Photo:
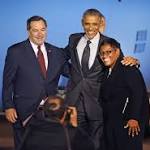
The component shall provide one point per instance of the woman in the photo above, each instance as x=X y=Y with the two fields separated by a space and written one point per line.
x=124 y=100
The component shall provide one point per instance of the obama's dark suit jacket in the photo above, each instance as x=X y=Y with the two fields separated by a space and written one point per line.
x=85 y=87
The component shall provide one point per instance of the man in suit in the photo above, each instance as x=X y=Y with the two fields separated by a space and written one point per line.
x=31 y=73
x=86 y=74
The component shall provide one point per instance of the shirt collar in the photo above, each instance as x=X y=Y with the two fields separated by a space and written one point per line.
x=95 y=39
x=35 y=45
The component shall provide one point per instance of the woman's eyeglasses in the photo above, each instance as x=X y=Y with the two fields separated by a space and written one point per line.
x=106 y=53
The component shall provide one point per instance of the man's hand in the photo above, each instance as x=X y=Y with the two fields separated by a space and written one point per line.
x=11 y=115
x=130 y=61
x=134 y=127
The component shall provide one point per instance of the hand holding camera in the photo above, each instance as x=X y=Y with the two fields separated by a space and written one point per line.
x=72 y=116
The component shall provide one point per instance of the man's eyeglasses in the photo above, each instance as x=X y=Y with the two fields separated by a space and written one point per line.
x=106 y=53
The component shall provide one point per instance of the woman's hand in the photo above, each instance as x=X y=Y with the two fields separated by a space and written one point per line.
x=133 y=126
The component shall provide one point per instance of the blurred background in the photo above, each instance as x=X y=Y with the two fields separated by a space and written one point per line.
x=127 y=21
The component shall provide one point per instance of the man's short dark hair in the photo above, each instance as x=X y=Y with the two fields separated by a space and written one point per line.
x=92 y=12
x=35 y=18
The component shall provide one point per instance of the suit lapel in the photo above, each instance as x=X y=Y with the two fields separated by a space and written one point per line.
x=50 y=61
x=77 y=62
x=97 y=60
x=31 y=57
x=75 y=57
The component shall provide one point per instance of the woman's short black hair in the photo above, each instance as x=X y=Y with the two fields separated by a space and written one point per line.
x=112 y=42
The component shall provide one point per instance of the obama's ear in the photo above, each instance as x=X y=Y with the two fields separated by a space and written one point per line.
x=102 y=25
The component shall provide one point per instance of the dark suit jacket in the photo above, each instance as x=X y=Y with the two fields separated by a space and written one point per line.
x=87 y=86
x=23 y=83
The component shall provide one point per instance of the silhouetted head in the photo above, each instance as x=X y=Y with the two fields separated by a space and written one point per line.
x=54 y=108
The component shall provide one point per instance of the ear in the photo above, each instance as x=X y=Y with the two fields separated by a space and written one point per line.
x=102 y=25
x=28 y=32
x=117 y=52
x=82 y=22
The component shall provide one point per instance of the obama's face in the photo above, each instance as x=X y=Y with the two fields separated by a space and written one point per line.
x=91 y=25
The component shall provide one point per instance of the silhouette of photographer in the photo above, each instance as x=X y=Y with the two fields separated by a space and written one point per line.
x=54 y=127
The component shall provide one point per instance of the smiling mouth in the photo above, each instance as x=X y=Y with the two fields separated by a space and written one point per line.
x=41 y=38
x=90 y=32
x=106 y=60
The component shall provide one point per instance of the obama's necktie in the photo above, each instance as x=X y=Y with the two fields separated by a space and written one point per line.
x=85 y=58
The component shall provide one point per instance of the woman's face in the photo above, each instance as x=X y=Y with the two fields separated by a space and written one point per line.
x=109 y=55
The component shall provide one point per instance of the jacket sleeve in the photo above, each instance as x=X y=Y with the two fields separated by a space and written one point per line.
x=137 y=89
x=9 y=74
x=67 y=52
